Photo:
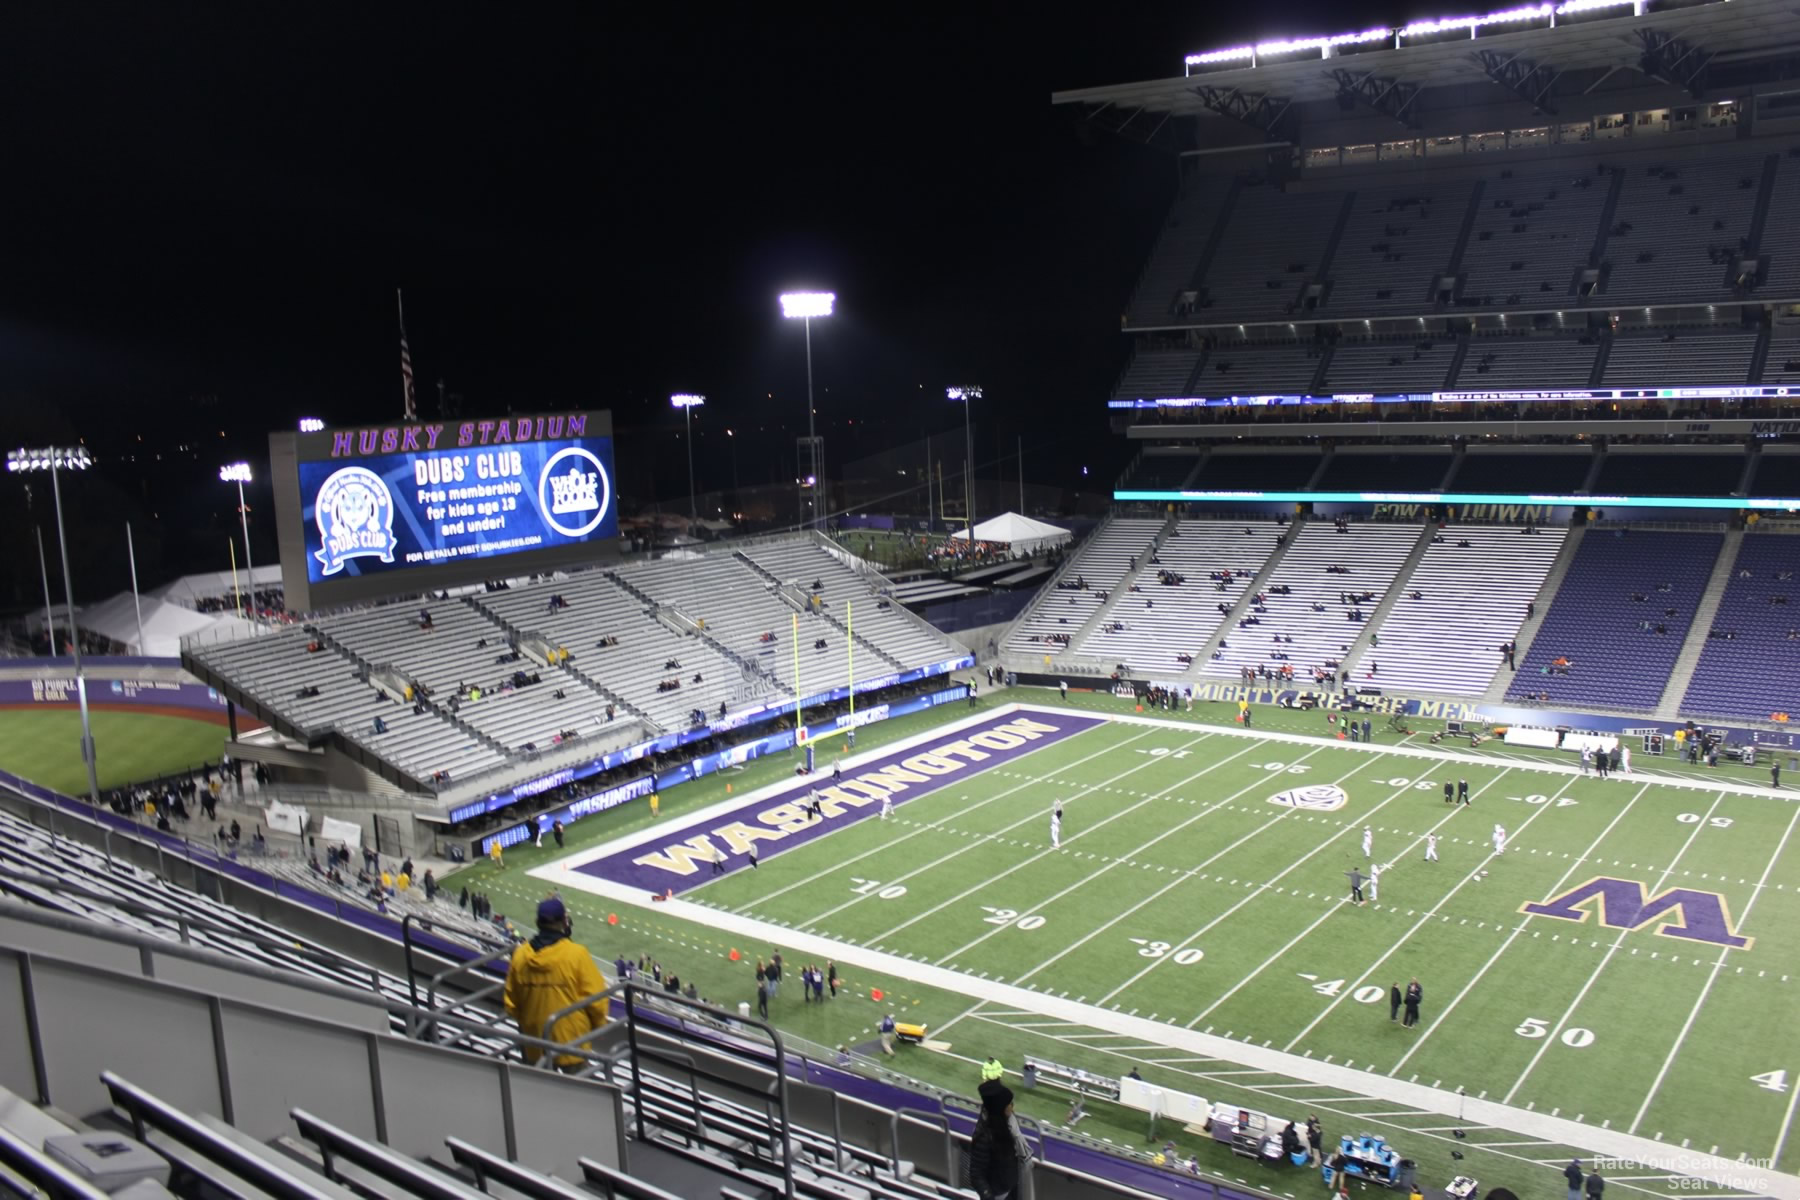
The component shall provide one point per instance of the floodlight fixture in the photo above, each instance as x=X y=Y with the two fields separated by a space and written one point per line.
x=49 y=458
x=804 y=306
x=311 y=425
x=687 y=402
x=807 y=304
x=56 y=460
x=967 y=394
x=240 y=474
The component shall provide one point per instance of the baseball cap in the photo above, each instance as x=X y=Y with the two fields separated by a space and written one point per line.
x=550 y=911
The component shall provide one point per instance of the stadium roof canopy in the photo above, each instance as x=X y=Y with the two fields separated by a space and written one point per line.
x=1576 y=35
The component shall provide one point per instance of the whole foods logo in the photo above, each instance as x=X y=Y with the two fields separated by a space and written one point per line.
x=1315 y=797
x=355 y=514
x=576 y=490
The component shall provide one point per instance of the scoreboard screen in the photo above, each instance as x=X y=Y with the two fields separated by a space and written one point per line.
x=377 y=502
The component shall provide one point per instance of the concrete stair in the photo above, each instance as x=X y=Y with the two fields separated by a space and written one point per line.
x=1503 y=678
x=1683 y=672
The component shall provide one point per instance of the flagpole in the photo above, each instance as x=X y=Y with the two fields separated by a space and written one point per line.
x=850 y=637
x=408 y=398
x=131 y=554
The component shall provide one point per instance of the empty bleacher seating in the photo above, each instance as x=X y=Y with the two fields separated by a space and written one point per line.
x=1531 y=234
x=1677 y=225
x=1158 y=622
x=1273 y=245
x=1706 y=359
x=1313 y=613
x=1505 y=363
x=1472 y=599
x=1749 y=666
x=1386 y=368
x=1396 y=243
x=1169 y=276
x=1595 y=624
x=1260 y=368
x=1060 y=611
x=1157 y=374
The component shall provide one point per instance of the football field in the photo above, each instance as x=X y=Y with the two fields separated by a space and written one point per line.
x=1200 y=893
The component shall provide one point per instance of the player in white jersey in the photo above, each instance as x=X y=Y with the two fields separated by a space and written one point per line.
x=1431 y=847
x=887 y=805
x=1368 y=840
x=1375 y=870
x=1056 y=828
x=1499 y=839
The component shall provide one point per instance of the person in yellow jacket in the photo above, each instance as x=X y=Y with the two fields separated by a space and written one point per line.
x=546 y=975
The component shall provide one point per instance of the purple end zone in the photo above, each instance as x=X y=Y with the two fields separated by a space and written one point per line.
x=683 y=857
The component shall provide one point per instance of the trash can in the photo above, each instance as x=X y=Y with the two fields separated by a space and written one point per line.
x=744 y=1009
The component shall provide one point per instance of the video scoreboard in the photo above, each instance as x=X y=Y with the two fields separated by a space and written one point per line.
x=375 y=510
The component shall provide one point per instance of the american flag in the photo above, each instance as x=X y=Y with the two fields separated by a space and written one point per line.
x=406 y=371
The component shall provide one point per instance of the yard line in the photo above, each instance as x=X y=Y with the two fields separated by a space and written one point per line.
x=1787 y=1123
x=892 y=842
x=1424 y=918
x=1083 y=882
x=1713 y=977
x=1188 y=874
x=1512 y=937
x=1336 y=908
x=1550 y=1038
x=989 y=881
x=1260 y=889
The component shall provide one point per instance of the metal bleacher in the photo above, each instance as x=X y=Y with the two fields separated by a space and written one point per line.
x=1312 y=613
x=1162 y=621
x=1671 y=217
x=1473 y=599
x=1692 y=357
x=1062 y=608
x=901 y=637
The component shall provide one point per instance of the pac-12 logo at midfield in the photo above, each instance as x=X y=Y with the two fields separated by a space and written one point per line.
x=355 y=514
x=1317 y=797
x=573 y=487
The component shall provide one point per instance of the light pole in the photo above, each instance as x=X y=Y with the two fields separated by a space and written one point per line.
x=687 y=402
x=805 y=306
x=239 y=473
x=968 y=395
x=54 y=459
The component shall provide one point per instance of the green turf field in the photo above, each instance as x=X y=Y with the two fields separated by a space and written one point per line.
x=44 y=746
x=1183 y=895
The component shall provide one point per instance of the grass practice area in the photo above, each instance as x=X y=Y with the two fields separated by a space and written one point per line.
x=44 y=746
x=1201 y=884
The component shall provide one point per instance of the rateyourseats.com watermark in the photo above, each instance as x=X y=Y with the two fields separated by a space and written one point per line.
x=1744 y=1174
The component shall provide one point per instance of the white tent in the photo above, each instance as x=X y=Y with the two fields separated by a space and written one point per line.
x=164 y=624
x=212 y=584
x=1023 y=534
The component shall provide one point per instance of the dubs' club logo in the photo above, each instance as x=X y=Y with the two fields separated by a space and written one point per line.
x=1318 y=797
x=355 y=513
x=574 y=492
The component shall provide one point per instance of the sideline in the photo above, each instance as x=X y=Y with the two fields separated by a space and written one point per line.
x=1611 y=1143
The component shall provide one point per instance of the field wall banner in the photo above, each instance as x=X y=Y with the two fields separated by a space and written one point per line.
x=121 y=686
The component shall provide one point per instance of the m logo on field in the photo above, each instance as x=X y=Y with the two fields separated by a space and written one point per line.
x=1316 y=797
x=1623 y=904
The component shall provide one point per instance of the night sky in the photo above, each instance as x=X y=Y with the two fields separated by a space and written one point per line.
x=207 y=208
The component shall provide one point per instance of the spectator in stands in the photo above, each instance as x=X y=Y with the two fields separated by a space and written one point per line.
x=996 y=1147
x=425 y=619
x=549 y=973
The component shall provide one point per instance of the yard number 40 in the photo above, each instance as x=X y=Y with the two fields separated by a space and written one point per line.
x=1774 y=1081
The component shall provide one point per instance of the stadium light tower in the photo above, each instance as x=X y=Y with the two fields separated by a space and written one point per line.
x=56 y=459
x=687 y=403
x=804 y=306
x=311 y=425
x=239 y=473
x=968 y=394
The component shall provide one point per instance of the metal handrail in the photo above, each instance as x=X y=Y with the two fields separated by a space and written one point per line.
x=634 y=995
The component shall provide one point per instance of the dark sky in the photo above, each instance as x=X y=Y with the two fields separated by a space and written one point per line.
x=206 y=210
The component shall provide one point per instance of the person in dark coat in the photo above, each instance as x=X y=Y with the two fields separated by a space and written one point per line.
x=1572 y=1173
x=1414 y=995
x=1395 y=1000
x=993 y=1147
x=1595 y=1185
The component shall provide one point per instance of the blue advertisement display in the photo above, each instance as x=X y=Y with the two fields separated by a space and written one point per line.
x=389 y=512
